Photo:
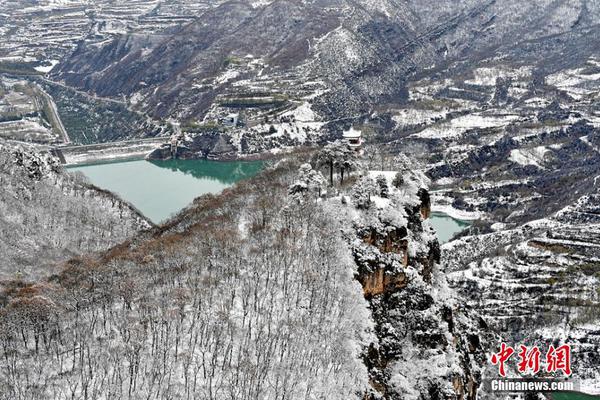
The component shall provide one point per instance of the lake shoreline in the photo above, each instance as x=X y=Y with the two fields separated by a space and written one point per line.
x=446 y=226
x=104 y=157
x=159 y=190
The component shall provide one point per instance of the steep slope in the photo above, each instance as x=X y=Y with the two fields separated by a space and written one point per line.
x=346 y=43
x=294 y=73
x=254 y=293
x=538 y=283
x=428 y=345
x=47 y=216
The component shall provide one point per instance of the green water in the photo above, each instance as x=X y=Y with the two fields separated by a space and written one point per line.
x=573 y=396
x=159 y=189
x=446 y=227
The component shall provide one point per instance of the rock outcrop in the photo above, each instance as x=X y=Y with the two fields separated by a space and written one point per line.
x=427 y=346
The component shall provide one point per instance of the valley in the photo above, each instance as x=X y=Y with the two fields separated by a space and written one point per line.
x=171 y=141
x=161 y=189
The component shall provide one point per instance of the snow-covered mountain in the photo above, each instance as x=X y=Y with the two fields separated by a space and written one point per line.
x=264 y=291
x=48 y=216
x=497 y=99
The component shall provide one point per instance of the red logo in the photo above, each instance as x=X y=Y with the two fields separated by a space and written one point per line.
x=557 y=359
x=529 y=360
x=500 y=358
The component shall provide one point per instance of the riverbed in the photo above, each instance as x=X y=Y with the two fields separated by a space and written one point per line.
x=160 y=189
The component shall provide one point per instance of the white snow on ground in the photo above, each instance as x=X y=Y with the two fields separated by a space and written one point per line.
x=534 y=156
x=304 y=113
x=260 y=3
x=294 y=130
x=565 y=334
x=487 y=76
x=342 y=49
x=380 y=202
x=426 y=89
x=306 y=124
x=594 y=120
x=227 y=76
x=389 y=175
x=47 y=68
x=18 y=58
x=498 y=226
x=444 y=181
x=316 y=94
x=575 y=81
x=537 y=102
x=460 y=125
x=456 y=213
x=489 y=185
x=570 y=78
x=136 y=98
x=411 y=116
x=590 y=386
x=27 y=129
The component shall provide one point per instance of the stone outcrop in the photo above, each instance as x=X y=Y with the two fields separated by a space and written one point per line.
x=396 y=259
x=211 y=145
x=379 y=282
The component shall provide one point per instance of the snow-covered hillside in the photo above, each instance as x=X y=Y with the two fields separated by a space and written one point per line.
x=48 y=215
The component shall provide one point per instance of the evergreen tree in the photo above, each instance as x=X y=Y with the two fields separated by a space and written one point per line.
x=326 y=157
x=398 y=180
x=346 y=160
x=309 y=181
x=362 y=191
x=384 y=190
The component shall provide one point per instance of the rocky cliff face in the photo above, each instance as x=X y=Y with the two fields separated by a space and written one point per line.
x=427 y=345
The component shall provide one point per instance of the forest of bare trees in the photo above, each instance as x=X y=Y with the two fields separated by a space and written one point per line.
x=47 y=215
x=253 y=299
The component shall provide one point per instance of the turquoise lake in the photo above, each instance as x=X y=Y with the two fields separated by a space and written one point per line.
x=160 y=189
x=573 y=396
x=446 y=226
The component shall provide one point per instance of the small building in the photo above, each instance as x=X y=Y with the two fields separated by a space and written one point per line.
x=354 y=138
x=231 y=120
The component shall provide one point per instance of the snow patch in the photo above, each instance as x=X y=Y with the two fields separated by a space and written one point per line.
x=47 y=68
x=460 y=125
x=534 y=156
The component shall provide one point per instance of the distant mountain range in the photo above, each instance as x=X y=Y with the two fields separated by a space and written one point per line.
x=364 y=52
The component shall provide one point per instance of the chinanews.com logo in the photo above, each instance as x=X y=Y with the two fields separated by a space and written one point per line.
x=540 y=371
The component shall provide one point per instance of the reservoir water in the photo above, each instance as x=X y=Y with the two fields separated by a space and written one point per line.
x=446 y=226
x=159 y=189
x=573 y=396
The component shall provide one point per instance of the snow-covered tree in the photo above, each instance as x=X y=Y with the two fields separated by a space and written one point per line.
x=326 y=158
x=404 y=163
x=337 y=155
x=398 y=180
x=346 y=160
x=384 y=190
x=309 y=181
x=362 y=192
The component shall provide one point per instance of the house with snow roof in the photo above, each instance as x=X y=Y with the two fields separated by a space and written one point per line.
x=354 y=138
